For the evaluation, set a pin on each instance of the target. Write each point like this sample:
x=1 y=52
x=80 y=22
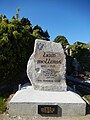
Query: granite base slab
x=27 y=101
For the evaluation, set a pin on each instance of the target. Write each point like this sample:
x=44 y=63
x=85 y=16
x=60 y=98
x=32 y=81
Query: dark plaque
x=47 y=109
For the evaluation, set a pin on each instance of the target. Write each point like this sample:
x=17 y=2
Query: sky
x=69 y=18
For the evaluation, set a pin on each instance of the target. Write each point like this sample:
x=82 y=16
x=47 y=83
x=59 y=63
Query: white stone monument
x=48 y=95
x=46 y=67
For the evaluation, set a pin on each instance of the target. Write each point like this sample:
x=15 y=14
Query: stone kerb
x=46 y=67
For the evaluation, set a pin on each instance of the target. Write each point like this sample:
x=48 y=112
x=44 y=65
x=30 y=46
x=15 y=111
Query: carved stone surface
x=26 y=102
x=46 y=67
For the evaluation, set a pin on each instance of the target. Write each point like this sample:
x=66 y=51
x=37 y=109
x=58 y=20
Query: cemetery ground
x=4 y=100
x=6 y=116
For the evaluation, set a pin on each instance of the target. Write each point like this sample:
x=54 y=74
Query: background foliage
x=17 y=39
x=61 y=39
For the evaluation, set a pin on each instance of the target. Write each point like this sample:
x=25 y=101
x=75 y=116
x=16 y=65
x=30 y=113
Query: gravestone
x=46 y=67
x=48 y=95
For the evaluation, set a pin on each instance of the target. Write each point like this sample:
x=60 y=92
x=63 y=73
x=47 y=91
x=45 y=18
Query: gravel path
x=6 y=116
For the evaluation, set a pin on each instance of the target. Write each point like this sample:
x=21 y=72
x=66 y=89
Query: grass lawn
x=3 y=104
x=87 y=97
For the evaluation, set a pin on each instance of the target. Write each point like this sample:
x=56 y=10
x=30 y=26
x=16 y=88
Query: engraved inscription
x=49 y=63
x=47 y=109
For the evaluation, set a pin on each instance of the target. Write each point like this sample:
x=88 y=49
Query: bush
x=16 y=46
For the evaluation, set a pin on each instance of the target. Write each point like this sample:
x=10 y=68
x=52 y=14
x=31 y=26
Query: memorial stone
x=46 y=70
x=46 y=67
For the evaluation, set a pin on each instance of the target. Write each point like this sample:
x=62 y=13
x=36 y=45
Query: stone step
x=27 y=101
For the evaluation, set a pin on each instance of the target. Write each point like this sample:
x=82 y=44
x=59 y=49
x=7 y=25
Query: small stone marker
x=46 y=67
x=47 y=109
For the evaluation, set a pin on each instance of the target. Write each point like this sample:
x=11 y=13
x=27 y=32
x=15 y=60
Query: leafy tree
x=3 y=27
x=46 y=34
x=17 y=13
x=37 y=27
x=6 y=20
x=39 y=33
x=62 y=40
x=13 y=17
x=16 y=46
x=17 y=9
x=1 y=16
x=4 y=16
x=25 y=21
x=79 y=51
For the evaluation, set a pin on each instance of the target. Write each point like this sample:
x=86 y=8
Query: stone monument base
x=46 y=103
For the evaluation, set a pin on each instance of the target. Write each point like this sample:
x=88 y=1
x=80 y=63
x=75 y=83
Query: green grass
x=3 y=105
x=87 y=97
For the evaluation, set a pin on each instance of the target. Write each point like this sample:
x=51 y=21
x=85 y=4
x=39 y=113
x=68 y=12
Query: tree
x=46 y=35
x=17 y=13
x=1 y=16
x=78 y=49
x=13 y=17
x=82 y=54
x=39 y=33
x=3 y=26
x=17 y=9
x=25 y=21
x=16 y=46
x=62 y=40
x=4 y=16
